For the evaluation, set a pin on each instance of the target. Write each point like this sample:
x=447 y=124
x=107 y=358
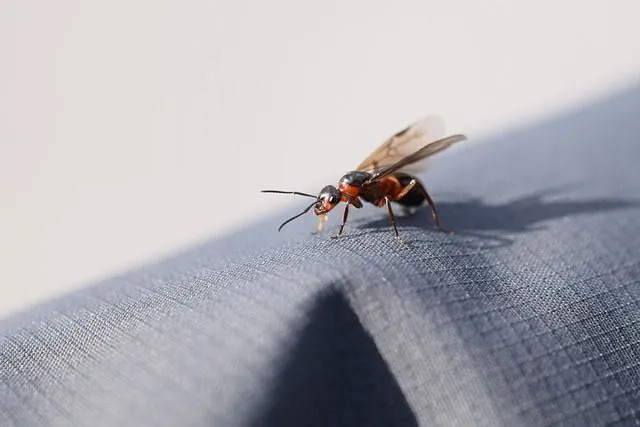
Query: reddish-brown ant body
x=385 y=176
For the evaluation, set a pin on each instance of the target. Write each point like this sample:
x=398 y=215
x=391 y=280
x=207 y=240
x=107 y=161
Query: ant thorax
x=352 y=182
x=355 y=178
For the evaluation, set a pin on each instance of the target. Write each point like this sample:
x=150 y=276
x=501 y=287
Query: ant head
x=328 y=199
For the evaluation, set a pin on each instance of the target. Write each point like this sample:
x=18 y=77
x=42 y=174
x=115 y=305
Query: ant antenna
x=299 y=215
x=297 y=193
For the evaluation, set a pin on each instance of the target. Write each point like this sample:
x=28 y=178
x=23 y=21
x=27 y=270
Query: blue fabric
x=528 y=315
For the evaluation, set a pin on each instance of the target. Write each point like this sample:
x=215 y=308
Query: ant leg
x=345 y=214
x=344 y=218
x=406 y=189
x=392 y=217
x=432 y=205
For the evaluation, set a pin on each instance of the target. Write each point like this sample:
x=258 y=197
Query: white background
x=128 y=129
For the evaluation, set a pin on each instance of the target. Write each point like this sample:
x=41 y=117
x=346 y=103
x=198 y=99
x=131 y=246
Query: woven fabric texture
x=528 y=315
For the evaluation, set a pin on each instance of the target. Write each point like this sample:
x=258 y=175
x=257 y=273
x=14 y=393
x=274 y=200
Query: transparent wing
x=418 y=156
x=403 y=144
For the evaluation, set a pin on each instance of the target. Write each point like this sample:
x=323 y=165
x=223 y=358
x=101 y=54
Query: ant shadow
x=498 y=222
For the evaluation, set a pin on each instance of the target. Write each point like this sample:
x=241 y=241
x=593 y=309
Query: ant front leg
x=345 y=215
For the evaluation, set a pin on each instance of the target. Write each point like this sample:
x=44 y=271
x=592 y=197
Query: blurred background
x=131 y=130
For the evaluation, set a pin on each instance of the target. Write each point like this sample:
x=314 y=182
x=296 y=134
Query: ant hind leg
x=432 y=206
